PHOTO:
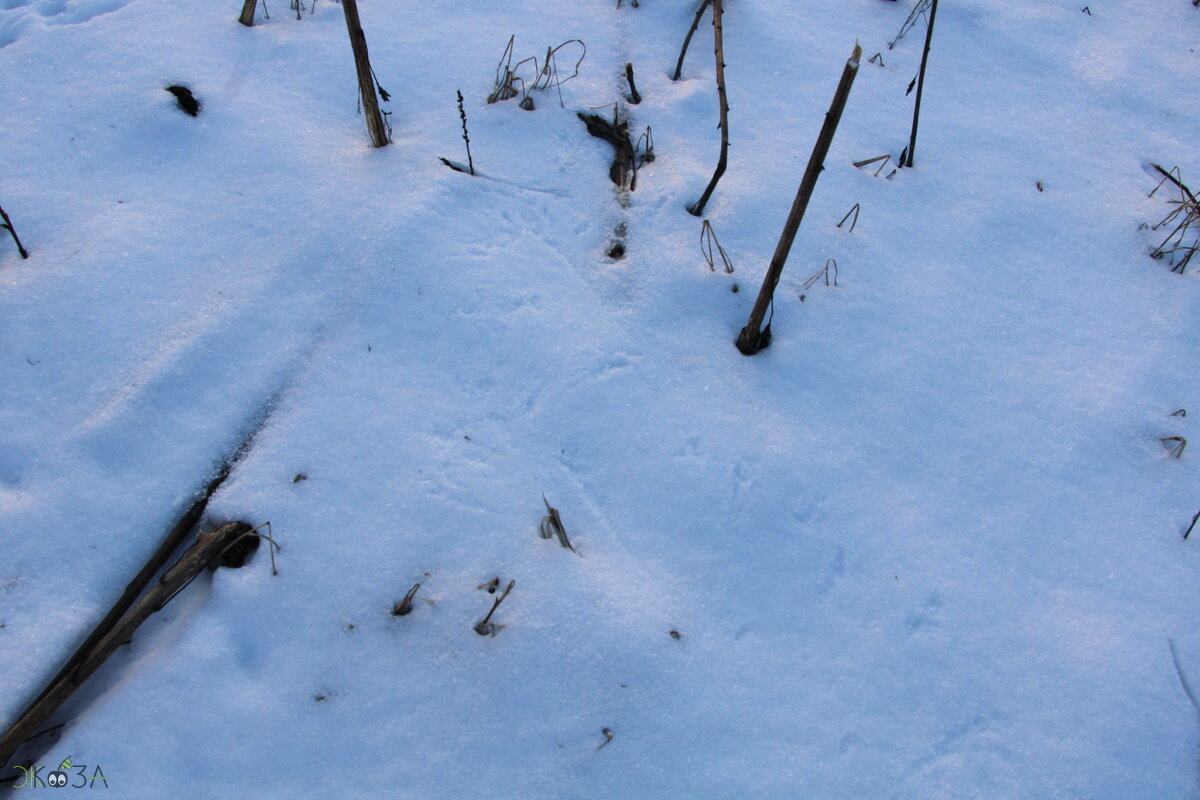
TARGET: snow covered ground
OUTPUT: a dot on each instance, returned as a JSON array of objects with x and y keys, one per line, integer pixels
[{"x": 926, "y": 545}]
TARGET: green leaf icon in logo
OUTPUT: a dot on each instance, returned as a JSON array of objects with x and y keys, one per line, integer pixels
[{"x": 65, "y": 765}]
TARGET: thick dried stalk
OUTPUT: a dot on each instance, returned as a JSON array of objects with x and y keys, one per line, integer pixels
[
  {"x": 204, "y": 552},
  {"x": 752, "y": 338},
  {"x": 247, "y": 17},
  {"x": 366, "y": 80}
]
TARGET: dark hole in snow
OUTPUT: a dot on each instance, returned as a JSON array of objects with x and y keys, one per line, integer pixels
[
  {"x": 187, "y": 101},
  {"x": 238, "y": 553}
]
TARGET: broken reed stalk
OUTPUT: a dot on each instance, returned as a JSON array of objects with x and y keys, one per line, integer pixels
[
  {"x": 485, "y": 627},
  {"x": 912, "y": 139},
  {"x": 752, "y": 338},
  {"x": 688, "y": 39},
  {"x": 463, "y": 114},
  {"x": 634, "y": 97},
  {"x": 551, "y": 525},
  {"x": 13, "y": 232},
  {"x": 366, "y": 80},
  {"x": 723, "y": 105},
  {"x": 158, "y": 559},
  {"x": 207, "y": 549},
  {"x": 247, "y": 17}
]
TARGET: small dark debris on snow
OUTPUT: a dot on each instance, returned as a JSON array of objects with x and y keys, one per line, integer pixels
[
  {"x": 676, "y": 635},
  {"x": 608, "y": 736},
  {"x": 187, "y": 101},
  {"x": 734, "y": 288},
  {"x": 300, "y": 476}
]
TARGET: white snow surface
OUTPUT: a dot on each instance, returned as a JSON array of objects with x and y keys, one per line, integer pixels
[{"x": 925, "y": 545}]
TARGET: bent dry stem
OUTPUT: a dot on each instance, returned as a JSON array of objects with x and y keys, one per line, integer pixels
[{"x": 753, "y": 337}]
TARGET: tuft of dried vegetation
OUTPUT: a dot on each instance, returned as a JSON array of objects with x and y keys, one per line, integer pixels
[
  {"x": 530, "y": 75},
  {"x": 1183, "y": 221},
  {"x": 920, "y": 10}
]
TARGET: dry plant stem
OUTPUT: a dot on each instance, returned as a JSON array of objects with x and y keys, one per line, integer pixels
[
  {"x": 634, "y": 97},
  {"x": 158, "y": 559},
  {"x": 855, "y": 210},
  {"x": 723, "y": 103},
  {"x": 405, "y": 606},
  {"x": 205, "y": 551},
  {"x": 247, "y": 17},
  {"x": 463, "y": 114},
  {"x": 688, "y": 39},
  {"x": 912, "y": 139},
  {"x": 708, "y": 238},
  {"x": 552, "y": 526},
  {"x": 1188, "y": 531},
  {"x": 751, "y": 339},
  {"x": 484, "y": 627},
  {"x": 366, "y": 83},
  {"x": 13, "y": 232}
]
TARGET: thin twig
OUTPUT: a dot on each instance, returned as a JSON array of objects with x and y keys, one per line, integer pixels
[
  {"x": 854, "y": 221},
  {"x": 697, "y": 209},
  {"x": 688, "y": 39},
  {"x": 13, "y": 232}
]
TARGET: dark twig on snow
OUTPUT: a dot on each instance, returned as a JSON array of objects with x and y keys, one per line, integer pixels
[
  {"x": 7, "y": 225},
  {"x": 688, "y": 39},
  {"x": 697, "y": 209},
  {"x": 466, "y": 138},
  {"x": 907, "y": 161}
]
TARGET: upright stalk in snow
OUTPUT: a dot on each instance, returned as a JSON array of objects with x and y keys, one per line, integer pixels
[
  {"x": 247, "y": 17},
  {"x": 723, "y": 104},
  {"x": 462, "y": 113},
  {"x": 688, "y": 39},
  {"x": 752, "y": 338},
  {"x": 366, "y": 80},
  {"x": 907, "y": 161}
]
